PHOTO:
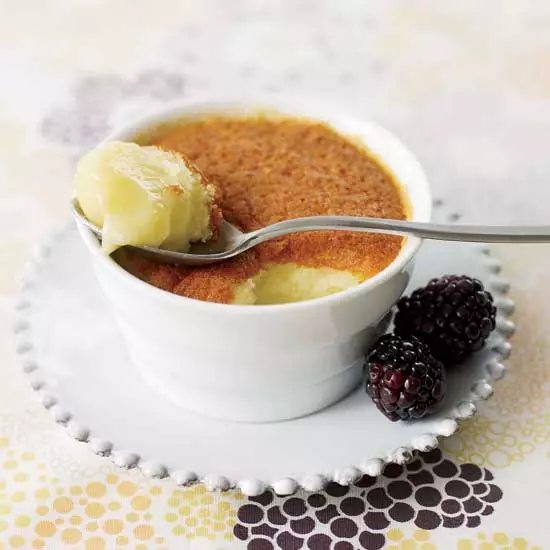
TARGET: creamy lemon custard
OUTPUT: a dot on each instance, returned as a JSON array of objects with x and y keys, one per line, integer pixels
[
  {"x": 145, "y": 196},
  {"x": 267, "y": 170}
]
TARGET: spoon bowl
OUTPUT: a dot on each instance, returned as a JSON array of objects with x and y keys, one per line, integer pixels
[{"x": 199, "y": 253}]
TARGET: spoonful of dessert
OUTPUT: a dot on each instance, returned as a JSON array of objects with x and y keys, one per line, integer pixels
[{"x": 159, "y": 203}]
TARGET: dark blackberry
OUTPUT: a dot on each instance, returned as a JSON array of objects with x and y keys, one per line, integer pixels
[
  {"x": 403, "y": 379},
  {"x": 454, "y": 315}
]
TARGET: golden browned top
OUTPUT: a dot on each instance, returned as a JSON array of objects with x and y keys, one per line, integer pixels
[{"x": 268, "y": 170}]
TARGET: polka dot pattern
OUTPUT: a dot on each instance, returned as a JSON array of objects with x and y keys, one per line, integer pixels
[
  {"x": 194, "y": 513},
  {"x": 430, "y": 492},
  {"x": 118, "y": 509}
]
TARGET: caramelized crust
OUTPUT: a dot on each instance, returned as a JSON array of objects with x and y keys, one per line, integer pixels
[{"x": 268, "y": 170}]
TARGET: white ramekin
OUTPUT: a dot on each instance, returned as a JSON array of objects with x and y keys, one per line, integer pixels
[{"x": 261, "y": 363}]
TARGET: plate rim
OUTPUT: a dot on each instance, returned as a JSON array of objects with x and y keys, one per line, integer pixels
[{"x": 481, "y": 389}]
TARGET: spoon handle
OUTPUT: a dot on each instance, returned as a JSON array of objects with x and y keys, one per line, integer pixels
[{"x": 466, "y": 233}]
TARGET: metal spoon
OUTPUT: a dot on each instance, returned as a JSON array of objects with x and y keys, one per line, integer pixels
[{"x": 233, "y": 242}]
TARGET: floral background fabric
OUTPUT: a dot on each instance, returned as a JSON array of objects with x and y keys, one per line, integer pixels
[{"x": 466, "y": 85}]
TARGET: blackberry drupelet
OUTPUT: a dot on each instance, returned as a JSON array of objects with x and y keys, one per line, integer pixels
[
  {"x": 453, "y": 315},
  {"x": 404, "y": 380}
]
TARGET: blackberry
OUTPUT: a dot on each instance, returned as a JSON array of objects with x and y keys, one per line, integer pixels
[
  {"x": 453, "y": 315},
  {"x": 404, "y": 380}
]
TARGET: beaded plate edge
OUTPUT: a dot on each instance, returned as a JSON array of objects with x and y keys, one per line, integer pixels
[{"x": 482, "y": 389}]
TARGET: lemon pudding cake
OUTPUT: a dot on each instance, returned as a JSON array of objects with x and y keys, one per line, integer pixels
[{"x": 265, "y": 170}]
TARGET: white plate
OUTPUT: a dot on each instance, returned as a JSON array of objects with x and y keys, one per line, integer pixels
[{"x": 70, "y": 345}]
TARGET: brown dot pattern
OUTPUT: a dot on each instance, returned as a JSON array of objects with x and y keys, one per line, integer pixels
[{"x": 431, "y": 492}]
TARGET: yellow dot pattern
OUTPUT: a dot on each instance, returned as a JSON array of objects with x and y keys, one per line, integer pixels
[
  {"x": 16, "y": 541},
  {"x": 71, "y": 535},
  {"x": 496, "y": 541},
  {"x": 45, "y": 528},
  {"x": 113, "y": 511},
  {"x": 141, "y": 502},
  {"x": 95, "y": 510},
  {"x": 418, "y": 540},
  {"x": 63, "y": 505},
  {"x": 95, "y": 490},
  {"x": 23, "y": 521},
  {"x": 498, "y": 443},
  {"x": 113, "y": 526},
  {"x": 196, "y": 514}
]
